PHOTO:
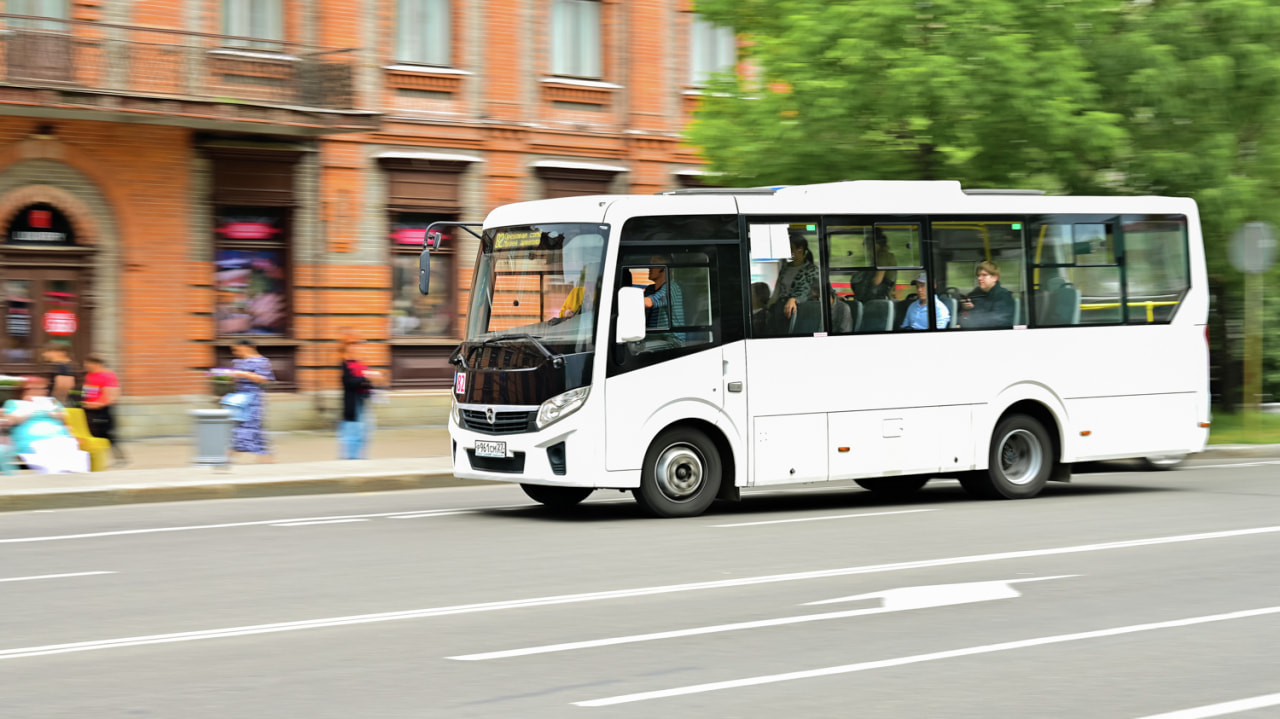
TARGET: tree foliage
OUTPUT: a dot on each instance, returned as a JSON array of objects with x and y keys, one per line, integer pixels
[{"x": 1178, "y": 97}]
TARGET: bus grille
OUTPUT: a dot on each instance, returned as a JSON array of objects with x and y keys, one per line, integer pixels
[{"x": 503, "y": 422}]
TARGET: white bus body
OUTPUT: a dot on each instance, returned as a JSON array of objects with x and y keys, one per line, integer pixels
[{"x": 1122, "y": 372}]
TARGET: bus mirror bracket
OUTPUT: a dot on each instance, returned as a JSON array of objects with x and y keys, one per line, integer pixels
[
  {"x": 631, "y": 318},
  {"x": 433, "y": 239}
]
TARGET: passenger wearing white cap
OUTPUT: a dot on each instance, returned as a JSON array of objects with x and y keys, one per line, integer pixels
[{"x": 918, "y": 313}]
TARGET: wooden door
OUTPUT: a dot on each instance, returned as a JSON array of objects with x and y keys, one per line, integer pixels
[{"x": 42, "y": 307}]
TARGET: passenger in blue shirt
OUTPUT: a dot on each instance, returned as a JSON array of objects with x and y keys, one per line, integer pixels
[
  {"x": 918, "y": 313},
  {"x": 664, "y": 304}
]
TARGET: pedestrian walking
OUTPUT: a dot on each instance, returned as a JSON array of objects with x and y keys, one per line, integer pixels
[
  {"x": 100, "y": 394},
  {"x": 357, "y": 415},
  {"x": 252, "y": 372}
]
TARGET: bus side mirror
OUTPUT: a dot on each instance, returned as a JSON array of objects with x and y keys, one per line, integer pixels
[
  {"x": 630, "y": 314},
  {"x": 424, "y": 271}
]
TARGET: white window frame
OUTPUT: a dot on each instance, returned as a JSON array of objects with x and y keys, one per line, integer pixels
[
  {"x": 262, "y": 19},
  {"x": 577, "y": 39},
  {"x": 712, "y": 48},
  {"x": 423, "y": 29}
]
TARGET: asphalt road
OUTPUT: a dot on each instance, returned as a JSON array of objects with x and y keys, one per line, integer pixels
[{"x": 1125, "y": 594}]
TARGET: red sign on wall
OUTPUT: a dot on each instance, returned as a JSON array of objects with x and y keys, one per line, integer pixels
[
  {"x": 60, "y": 322},
  {"x": 247, "y": 230}
]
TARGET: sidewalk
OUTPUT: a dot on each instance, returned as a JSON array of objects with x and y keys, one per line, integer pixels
[{"x": 160, "y": 470}]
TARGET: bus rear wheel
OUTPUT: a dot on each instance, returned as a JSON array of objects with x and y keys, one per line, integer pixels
[
  {"x": 1020, "y": 461},
  {"x": 556, "y": 497},
  {"x": 681, "y": 474},
  {"x": 893, "y": 487}
]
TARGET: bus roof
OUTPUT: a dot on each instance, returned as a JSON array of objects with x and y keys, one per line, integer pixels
[{"x": 853, "y": 197}]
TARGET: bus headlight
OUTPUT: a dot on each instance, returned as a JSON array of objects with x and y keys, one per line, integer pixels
[
  {"x": 561, "y": 406},
  {"x": 454, "y": 412}
]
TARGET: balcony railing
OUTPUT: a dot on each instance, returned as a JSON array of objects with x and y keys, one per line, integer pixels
[{"x": 172, "y": 64}]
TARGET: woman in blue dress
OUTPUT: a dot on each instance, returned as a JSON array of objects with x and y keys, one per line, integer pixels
[
  {"x": 252, "y": 372},
  {"x": 39, "y": 432}
]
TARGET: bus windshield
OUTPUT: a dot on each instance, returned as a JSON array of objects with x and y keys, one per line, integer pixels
[{"x": 539, "y": 281}]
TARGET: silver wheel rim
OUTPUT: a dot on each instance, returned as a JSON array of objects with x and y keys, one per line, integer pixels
[
  {"x": 679, "y": 471},
  {"x": 1021, "y": 457}
]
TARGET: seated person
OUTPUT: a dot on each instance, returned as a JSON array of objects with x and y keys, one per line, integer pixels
[
  {"x": 918, "y": 312},
  {"x": 841, "y": 315},
  {"x": 876, "y": 284},
  {"x": 989, "y": 304},
  {"x": 39, "y": 431},
  {"x": 573, "y": 303},
  {"x": 797, "y": 282},
  {"x": 663, "y": 303}
]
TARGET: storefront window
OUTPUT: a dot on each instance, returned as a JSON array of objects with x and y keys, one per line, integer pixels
[{"x": 251, "y": 278}]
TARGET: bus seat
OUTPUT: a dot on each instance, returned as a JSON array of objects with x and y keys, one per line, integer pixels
[
  {"x": 855, "y": 307},
  {"x": 1017, "y": 309},
  {"x": 807, "y": 318},
  {"x": 877, "y": 316}
]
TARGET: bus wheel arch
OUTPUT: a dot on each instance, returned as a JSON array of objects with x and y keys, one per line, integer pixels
[
  {"x": 685, "y": 470},
  {"x": 1023, "y": 454}
]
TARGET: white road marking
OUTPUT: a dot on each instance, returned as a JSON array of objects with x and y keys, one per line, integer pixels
[
  {"x": 440, "y": 513},
  {"x": 153, "y": 530},
  {"x": 1217, "y": 710},
  {"x": 1233, "y": 466},
  {"x": 820, "y": 519},
  {"x": 52, "y": 576},
  {"x": 919, "y": 658},
  {"x": 620, "y": 593},
  {"x": 895, "y": 600},
  {"x": 317, "y": 521}
]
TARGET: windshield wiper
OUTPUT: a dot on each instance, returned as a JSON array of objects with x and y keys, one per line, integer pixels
[{"x": 535, "y": 340}]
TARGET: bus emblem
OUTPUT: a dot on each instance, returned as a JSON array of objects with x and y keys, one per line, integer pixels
[{"x": 489, "y": 414}]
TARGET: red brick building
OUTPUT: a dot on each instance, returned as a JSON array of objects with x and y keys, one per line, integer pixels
[{"x": 177, "y": 173}]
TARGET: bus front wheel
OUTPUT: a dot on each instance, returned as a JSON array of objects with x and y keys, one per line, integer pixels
[
  {"x": 1019, "y": 464},
  {"x": 681, "y": 474},
  {"x": 556, "y": 497}
]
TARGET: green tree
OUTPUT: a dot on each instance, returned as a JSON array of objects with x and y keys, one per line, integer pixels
[{"x": 997, "y": 93}]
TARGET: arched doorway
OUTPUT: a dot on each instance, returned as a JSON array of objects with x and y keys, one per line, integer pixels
[{"x": 46, "y": 275}]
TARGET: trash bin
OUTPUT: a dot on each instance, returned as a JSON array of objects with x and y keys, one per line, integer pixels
[{"x": 213, "y": 436}]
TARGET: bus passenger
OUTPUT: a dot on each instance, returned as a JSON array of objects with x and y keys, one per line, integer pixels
[
  {"x": 663, "y": 302},
  {"x": 989, "y": 304},
  {"x": 876, "y": 284},
  {"x": 798, "y": 279},
  {"x": 759, "y": 303},
  {"x": 918, "y": 312}
]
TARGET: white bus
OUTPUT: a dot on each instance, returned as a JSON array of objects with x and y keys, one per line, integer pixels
[{"x": 688, "y": 344}]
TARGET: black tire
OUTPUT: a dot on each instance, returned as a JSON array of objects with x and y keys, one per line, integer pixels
[
  {"x": 557, "y": 497},
  {"x": 1163, "y": 462},
  {"x": 893, "y": 487},
  {"x": 1018, "y": 464},
  {"x": 681, "y": 474}
]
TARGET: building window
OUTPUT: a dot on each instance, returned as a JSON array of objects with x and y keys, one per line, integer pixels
[
  {"x": 251, "y": 277},
  {"x": 414, "y": 314},
  {"x": 41, "y": 8},
  {"x": 576, "y": 38},
  {"x": 422, "y": 32},
  {"x": 253, "y": 18},
  {"x": 713, "y": 48}
]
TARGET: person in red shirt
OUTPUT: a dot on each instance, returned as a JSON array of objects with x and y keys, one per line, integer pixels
[{"x": 101, "y": 392}]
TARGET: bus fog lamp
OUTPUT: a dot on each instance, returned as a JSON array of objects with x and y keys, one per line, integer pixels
[{"x": 561, "y": 406}]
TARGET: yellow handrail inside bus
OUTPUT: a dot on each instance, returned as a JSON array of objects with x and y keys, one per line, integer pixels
[{"x": 1149, "y": 304}]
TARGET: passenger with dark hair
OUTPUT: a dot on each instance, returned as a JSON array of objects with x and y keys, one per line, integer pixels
[
  {"x": 101, "y": 393},
  {"x": 798, "y": 280}
]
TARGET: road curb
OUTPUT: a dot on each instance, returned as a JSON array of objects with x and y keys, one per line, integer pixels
[{"x": 224, "y": 488}]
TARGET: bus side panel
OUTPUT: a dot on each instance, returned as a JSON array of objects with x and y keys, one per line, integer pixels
[
  {"x": 1136, "y": 426},
  {"x": 918, "y": 440},
  {"x": 640, "y": 404},
  {"x": 785, "y": 449}
]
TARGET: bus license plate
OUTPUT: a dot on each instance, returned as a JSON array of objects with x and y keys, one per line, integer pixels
[{"x": 491, "y": 449}]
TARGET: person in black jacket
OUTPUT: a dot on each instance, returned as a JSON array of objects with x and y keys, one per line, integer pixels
[
  {"x": 357, "y": 385},
  {"x": 989, "y": 304}
]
